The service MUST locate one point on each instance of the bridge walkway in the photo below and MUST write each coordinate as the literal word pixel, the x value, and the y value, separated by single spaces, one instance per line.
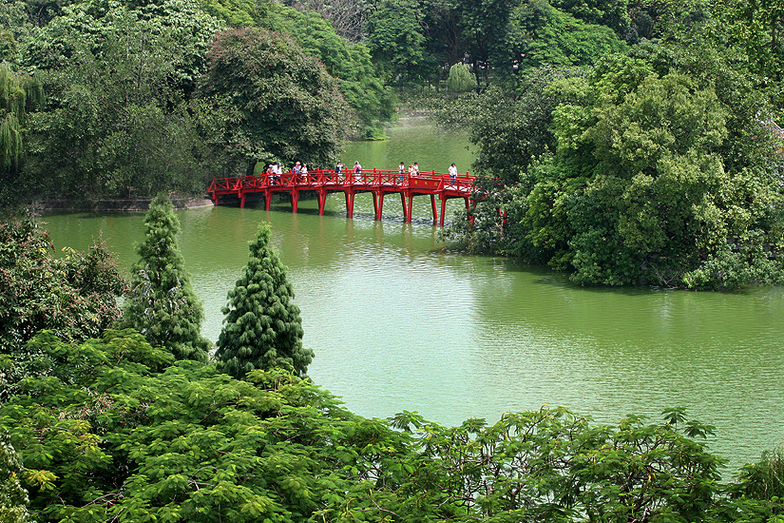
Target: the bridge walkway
pixel 377 182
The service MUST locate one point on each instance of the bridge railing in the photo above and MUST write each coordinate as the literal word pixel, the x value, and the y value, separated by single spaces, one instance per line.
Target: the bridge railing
pixel 346 179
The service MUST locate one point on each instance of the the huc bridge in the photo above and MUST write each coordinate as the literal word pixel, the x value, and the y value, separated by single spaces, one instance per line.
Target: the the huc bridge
pixel 374 181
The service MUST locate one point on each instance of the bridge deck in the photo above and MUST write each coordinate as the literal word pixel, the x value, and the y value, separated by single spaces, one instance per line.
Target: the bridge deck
pixel 374 181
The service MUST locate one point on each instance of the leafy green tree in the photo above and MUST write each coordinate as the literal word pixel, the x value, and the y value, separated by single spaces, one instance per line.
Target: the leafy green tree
pixel 74 296
pixel 671 21
pixel 676 207
pixel 483 24
pixel 161 303
pixel 13 497
pixel 264 99
pixel 20 93
pixel 613 14
pixel 109 429
pixel 539 34
pixel 756 28
pixel 15 32
pixel 460 78
pixel 349 63
pixel 397 42
pixel 116 123
pixel 262 326
pixel 650 175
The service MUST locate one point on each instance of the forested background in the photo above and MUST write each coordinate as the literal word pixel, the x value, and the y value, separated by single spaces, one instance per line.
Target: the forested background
pixel 627 142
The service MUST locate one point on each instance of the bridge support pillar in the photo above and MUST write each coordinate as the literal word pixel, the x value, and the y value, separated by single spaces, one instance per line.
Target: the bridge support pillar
pixel 350 204
pixel 267 199
pixel 322 201
pixel 435 208
pixel 294 200
pixel 443 211
pixel 378 203
pixel 242 200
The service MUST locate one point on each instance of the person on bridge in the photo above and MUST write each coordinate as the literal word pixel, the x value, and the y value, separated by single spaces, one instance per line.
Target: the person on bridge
pixel 453 172
pixel 401 171
pixel 416 169
pixel 339 169
pixel 304 173
pixel 357 170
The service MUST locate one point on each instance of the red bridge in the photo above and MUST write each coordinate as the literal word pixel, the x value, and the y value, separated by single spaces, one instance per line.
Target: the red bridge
pixel 323 183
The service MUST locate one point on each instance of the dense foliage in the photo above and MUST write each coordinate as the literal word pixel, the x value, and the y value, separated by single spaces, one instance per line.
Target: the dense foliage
pixel 121 130
pixel 659 166
pixel 262 326
pixel 73 296
pixel 13 497
pixel 20 93
pixel 113 430
pixel 161 303
pixel 277 104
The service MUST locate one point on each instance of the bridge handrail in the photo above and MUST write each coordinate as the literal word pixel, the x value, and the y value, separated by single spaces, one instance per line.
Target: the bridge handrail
pixel 320 177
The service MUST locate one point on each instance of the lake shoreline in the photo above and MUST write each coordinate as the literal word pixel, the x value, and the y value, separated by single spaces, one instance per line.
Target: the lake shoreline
pixel 140 204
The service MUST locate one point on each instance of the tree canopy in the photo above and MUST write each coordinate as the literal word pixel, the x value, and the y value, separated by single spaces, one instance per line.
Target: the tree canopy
pixel 262 326
pixel 161 303
pixel 112 429
pixel 653 168
pixel 73 296
pixel 277 103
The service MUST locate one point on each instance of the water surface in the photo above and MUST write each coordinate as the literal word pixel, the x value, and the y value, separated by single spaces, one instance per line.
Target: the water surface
pixel 397 323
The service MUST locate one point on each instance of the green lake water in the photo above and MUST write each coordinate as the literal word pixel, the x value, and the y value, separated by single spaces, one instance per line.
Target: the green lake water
pixel 398 323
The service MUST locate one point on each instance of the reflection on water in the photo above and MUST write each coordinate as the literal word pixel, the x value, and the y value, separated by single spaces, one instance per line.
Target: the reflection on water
pixel 396 323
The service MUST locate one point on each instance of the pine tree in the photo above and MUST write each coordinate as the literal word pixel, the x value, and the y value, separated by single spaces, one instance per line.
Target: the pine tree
pixel 262 327
pixel 161 303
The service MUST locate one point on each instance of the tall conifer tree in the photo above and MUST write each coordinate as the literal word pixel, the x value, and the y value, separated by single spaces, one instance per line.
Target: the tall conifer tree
pixel 262 326
pixel 161 303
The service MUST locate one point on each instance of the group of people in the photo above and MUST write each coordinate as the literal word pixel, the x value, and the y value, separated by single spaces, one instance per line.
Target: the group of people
pixel 340 168
pixel 300 171
pixel 275 170
pixel 413 170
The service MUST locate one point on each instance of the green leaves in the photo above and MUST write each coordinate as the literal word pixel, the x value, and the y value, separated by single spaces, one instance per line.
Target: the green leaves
pixel 161 303
pixel 643 171
pixel 262 327
pixel 274 101
pixel 74 296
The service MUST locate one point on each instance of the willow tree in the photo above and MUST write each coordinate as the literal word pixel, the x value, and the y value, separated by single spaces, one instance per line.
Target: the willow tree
pixel 19 94
pixel 161 303
pixel 262 326
pixel 460 78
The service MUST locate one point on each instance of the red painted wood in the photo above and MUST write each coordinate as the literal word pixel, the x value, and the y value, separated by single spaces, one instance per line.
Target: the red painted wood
pixel 378 182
